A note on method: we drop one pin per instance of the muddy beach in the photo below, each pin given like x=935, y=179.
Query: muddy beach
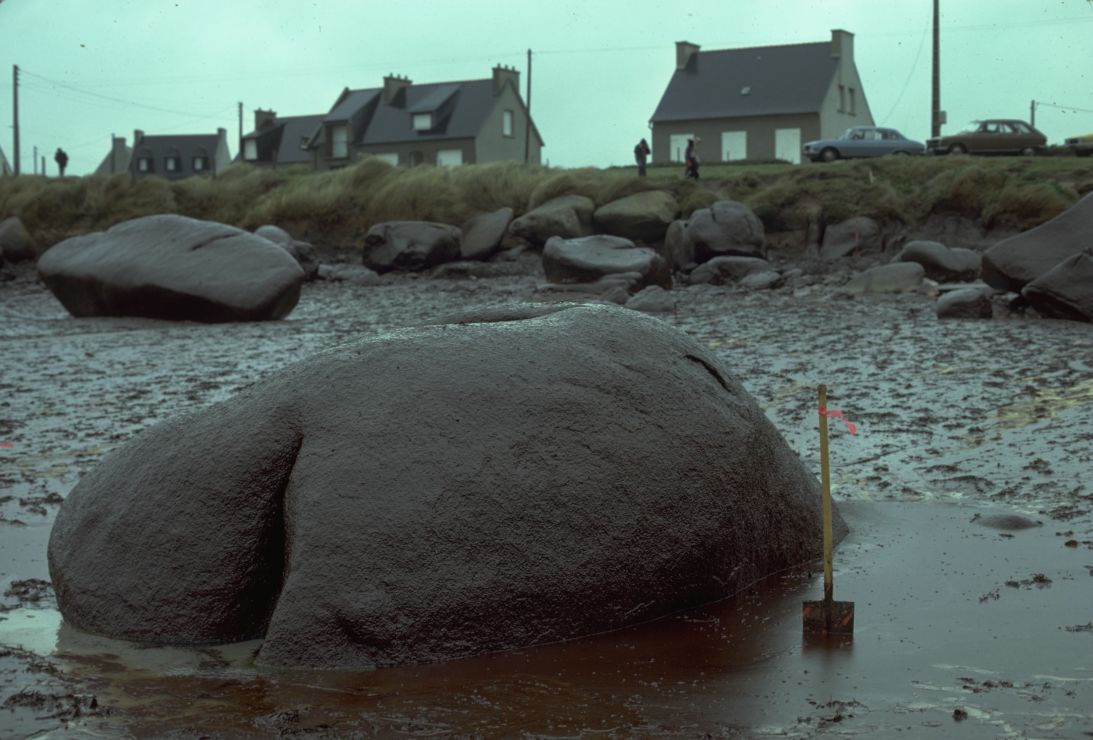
x=963, y=619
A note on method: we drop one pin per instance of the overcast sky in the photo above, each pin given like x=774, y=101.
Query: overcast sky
x=90, y=68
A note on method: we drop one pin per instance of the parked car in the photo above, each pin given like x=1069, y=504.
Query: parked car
x=862, y=141
x=1082, y=146
x=993, y=136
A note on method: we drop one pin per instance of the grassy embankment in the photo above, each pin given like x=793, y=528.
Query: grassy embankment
x=335, y=209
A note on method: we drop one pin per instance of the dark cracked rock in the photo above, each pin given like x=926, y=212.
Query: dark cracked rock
x=173, y=267
x=521, y=476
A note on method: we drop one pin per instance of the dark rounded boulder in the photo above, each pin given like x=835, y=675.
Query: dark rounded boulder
x=591, y=258
x=301, y=251
x=410, y=246
x=942, y=264
x=1065, y=291
x=965, y=303
x=725, y=228
x=575, y=469
x=173, y=267
x=854, y=236
x=483, y=234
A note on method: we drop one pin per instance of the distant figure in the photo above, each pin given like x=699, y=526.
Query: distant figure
x=61, y=159
x=691, y=159
x=641, y=151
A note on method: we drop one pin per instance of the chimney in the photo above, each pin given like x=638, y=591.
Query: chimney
x=501, y=75
x=264, y=118
x=392, y=86
x=842, y=44
x=137, y=136
x=118, y=161
x=685, y=52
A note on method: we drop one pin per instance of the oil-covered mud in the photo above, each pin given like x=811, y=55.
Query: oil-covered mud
x=960, y=627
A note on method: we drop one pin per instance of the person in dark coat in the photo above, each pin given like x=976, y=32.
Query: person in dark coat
x=691, y=159
x=641, y=151
x=61, y=159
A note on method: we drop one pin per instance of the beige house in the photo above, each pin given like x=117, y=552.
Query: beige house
x=442, y=123
x=759, y=103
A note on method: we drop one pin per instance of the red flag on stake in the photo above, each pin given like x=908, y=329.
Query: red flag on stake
x=836, y=414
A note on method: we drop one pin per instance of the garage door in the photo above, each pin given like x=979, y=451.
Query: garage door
x=787, y=144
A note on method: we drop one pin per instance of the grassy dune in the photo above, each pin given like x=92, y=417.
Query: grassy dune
x=335, y=209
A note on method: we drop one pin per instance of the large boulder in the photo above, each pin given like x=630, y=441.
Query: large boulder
x=1013, y=263
x=1066, y=290
x=854, y=236
x=568, y=217
x=725, y=228
x=301, y=251
x=410, y=246
x=482, y=234
x=942, y=264
x=641, y=217
x=173, y=267
x=965, y=303
x=576, y=469
x=896, y=277
x=590, y=258
x=16, y=243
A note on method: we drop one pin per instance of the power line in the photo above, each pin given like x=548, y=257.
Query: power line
x=914, y=66
x=1064, y=107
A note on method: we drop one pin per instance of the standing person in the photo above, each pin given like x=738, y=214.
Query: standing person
x=691, y=158
x=61, y=159
x=641, y=151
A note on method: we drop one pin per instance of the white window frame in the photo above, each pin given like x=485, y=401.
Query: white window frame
x=454, y=158
x=250, y=150
x=422, y=121
x=507, y=117
x=339, y=141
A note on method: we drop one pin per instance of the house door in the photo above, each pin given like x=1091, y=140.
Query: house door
x=677, y=146
x=734, y=145
x=787, y=144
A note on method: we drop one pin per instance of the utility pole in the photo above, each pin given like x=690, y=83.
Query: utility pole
x=15, y=114
x=935, y=96
x=1032, y=114
x=527, y=125
x=35, y=160
x=240, y=150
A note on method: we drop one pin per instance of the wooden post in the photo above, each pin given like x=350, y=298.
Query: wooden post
x=825, y=480
x=527, y=124
x=15, y=116
x=935, y=91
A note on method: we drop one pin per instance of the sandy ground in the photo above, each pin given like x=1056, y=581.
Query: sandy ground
x=960, y=627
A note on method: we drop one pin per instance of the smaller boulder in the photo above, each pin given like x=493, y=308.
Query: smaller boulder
x=616, y=288
x=356, y=274
x=568, y=217
x=483, y=233
x=643, y=217
x=588, y=259
x=301, y=251
x=965, y=303
x=16, y=243
x=721, y=270
x=942, y=264
x=410, y=246
x=677, y=250
x=725, y=228
x=764, y=280
x=1066, y=291
x=854, y=236
x=898, y=277
x=653, y=299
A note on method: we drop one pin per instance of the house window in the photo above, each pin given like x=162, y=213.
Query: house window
x=449, y=157
x=173, y=164
x=144, y=164
x=506, y=123
x=417, y=158
x=390, y=158
x=842, y=99
x=423, y=121
x=339, y=141
x=852, y=111
x=250, y=150
x=200, y=164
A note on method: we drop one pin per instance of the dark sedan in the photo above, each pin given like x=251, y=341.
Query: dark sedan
x=994, y=136
x=862, y=141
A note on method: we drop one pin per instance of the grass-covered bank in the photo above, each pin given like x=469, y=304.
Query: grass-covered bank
x=335, y=209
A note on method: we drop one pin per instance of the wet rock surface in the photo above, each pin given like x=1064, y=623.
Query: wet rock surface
x=301, y=251
x=1066, y=290
x=568, y=217
x=173, y=267
x=592, y=258
x=724, y=229
x=942, y=264
x=482, y=234
x=537, y=486
x=410, y=246
x=16, y=243
x=641, y=217
x=854, y=236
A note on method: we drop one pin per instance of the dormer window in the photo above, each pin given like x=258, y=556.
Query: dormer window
x=250, y=150
x=200, y=164
x=144, y=164
x=173, y=164
x=422, y=121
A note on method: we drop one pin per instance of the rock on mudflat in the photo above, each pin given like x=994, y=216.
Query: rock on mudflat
x=16, y=243
x=965, y=303
x=173, y=267
x=942, y=264
x=1013, y=263
x=1066, y=291
x=590, y=258
x=301, y=251
x=567, y=216
x=725, y=228
x=410, y=246
x=857, y=235
x=482, y=234
x=642, y=216
x=896, y=277
x=576, y=469
x=721, y=270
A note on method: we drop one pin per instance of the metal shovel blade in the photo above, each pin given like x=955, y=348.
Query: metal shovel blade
x=829, y=617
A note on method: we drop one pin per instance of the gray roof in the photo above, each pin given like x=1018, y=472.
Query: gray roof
x=353, y=102
x=777, y=80
x=284, y=136
x=463, y=109
x=184, y=146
